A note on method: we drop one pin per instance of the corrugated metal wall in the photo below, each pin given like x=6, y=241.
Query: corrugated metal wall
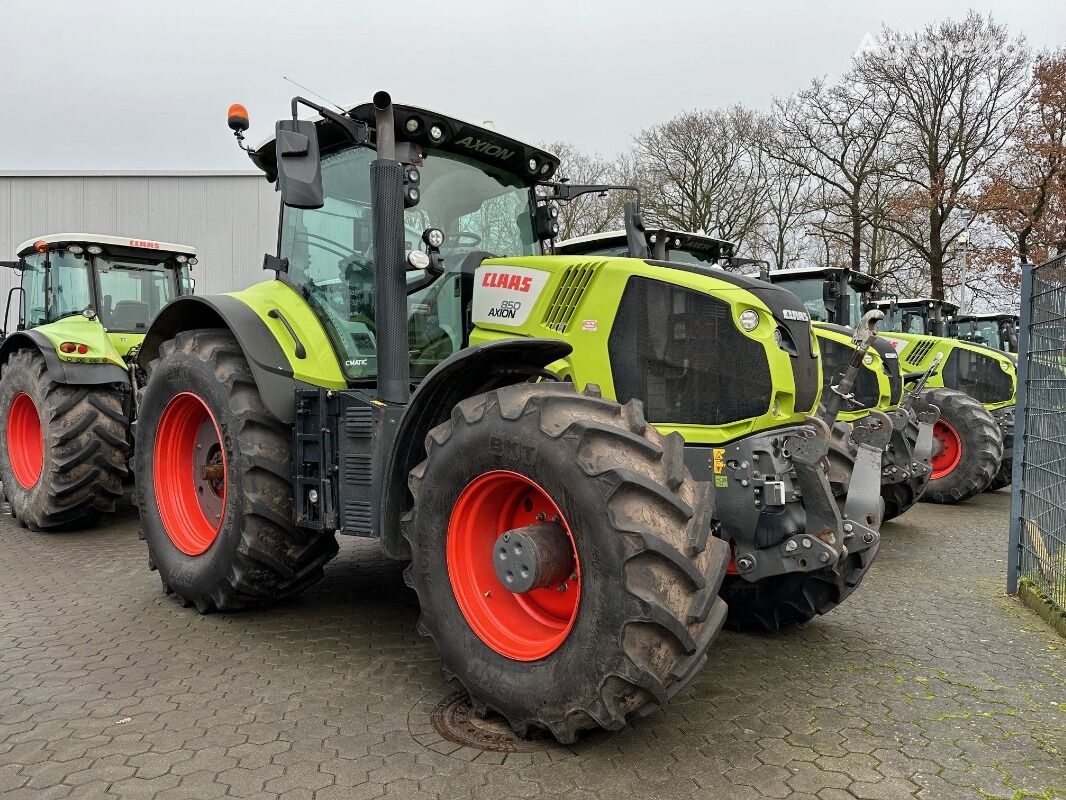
x=231, y=219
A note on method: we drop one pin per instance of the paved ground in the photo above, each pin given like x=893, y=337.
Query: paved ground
x=928, y=683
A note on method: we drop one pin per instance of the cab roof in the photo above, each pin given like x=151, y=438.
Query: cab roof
x=463, y=138
x=687, y=241
x=864, y=280
x=996, y=316
x=127, y=242
x=945, y=305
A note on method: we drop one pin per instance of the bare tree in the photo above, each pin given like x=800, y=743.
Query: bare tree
x=836, y=135
x=955, y=85
x=704, y=172
x=790, y=199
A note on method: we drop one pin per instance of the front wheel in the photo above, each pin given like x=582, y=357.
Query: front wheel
x=967, y=447
x=562, y=558
x=214, y=482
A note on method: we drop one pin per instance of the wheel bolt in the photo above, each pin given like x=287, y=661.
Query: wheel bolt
x=561, y=587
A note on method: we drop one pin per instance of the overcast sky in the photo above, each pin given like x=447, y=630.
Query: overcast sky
x=144, y=84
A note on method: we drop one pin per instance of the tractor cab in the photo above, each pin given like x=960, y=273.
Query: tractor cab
x=921, y=315
x=998, y=331
x=117, y=282
x=830, y=294
x=663, y=245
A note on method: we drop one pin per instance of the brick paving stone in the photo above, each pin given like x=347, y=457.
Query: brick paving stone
x=928, y=682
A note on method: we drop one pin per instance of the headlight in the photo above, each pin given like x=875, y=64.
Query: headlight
x=749, y=320
x=95, y=249
x=75, y=249
x=867, y=359
x=434, y=237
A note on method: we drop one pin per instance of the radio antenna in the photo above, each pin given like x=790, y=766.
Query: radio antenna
x=312, y=91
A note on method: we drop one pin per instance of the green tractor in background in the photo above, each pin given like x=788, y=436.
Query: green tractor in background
x=419, y=373
x=834, y=299
x=998, y=331
x=975, y=438
x=68, y=369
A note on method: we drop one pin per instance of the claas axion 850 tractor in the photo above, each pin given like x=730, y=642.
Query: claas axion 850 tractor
x=567, y=554
x=974, y=447
x=67, y=374
x=833, y=299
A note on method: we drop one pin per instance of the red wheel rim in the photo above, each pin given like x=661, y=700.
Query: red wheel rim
x=190, y=474
x=948, y=451
x=523, y=627
x=25, y=441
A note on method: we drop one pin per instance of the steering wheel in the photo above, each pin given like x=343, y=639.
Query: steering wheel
x=472, y=238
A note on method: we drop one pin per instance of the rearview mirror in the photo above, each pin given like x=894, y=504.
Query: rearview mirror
x=299, y=170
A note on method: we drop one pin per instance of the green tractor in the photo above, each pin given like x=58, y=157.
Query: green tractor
x=998, y=331
x=834, y=299
x=68, y=369
x=974, y=439
x=417, y=372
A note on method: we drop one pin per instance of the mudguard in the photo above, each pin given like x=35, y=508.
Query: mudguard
x=469, y=372
x=74, y=373
x=270, y=367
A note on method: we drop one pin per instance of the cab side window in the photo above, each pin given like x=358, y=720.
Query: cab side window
x=33, y=308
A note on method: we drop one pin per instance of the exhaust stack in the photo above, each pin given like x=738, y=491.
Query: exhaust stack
x=390, y=312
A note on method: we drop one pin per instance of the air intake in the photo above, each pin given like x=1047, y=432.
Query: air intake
x=568, y=295
x=920, y=351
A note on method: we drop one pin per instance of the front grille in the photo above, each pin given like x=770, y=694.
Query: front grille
x=920, y=351
x=568, y=296
x=978, y=375
x=680, y=353
x=835, y=359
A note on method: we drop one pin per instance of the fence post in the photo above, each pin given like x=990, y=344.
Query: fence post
x=1014, y=541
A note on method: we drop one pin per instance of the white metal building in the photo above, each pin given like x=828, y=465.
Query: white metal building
x=231, y=218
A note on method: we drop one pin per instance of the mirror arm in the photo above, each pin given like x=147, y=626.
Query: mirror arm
x=358, y=132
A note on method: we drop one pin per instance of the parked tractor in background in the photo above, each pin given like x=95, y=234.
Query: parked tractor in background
x=878, y=384
x=567, y=555
x=68, y=369
x=998, y=331
x=975, y=450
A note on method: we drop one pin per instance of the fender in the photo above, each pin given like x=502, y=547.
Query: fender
x=469, y=372
x=270, y=368
x=69, y=372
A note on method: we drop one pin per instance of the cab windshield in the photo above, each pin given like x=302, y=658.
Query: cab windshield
x=985, y=331
x=903, y=320
x=132, y=291
x=330, y=250
x=810, y=293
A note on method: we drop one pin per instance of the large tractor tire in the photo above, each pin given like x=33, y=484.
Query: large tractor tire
x=903, y=495
x=1004, y=476
x=783, y=601
x=214, y=482
x=63, y=454
x=967, y=447
x=589, y=515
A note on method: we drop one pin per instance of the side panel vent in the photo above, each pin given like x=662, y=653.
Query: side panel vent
x=568, y=296
x=920, y=351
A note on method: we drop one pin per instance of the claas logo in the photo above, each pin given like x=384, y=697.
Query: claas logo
x=507, y=280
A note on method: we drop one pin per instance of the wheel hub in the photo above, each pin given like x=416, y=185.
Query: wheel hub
x=947, y=449
x=190, y=474
x=521, y=602
x=534, y=557
x=25, y=441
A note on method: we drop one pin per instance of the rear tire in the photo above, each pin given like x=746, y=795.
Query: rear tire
x=964, y=425
x=64, y=448
x=648, y=569
x=252, y=554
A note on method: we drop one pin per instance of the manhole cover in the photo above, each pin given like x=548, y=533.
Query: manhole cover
x=449, y=726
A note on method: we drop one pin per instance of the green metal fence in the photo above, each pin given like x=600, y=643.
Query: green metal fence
x=1037, y=558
